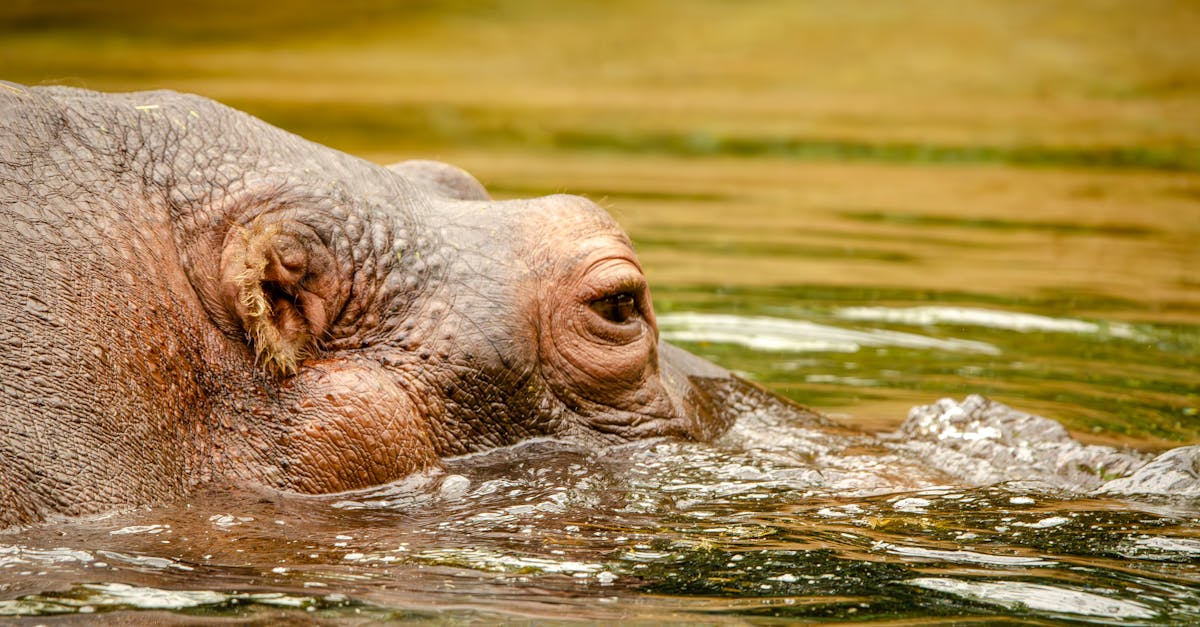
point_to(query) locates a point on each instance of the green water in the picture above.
(1139, 382)
(863, 206)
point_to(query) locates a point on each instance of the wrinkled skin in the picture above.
(190, 296)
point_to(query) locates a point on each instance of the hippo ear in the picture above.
(280, 281)
(441, 178)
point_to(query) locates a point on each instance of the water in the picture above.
(783, 518)
(863, 207)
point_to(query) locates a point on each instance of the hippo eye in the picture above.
(617, 308)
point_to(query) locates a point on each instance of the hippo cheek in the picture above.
(358, 427)
(706, 397)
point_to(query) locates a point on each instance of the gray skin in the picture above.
(191, 297)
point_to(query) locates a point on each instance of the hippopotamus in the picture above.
(192, 297)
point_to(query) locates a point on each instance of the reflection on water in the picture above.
(1097, 375)
(777, 334)
(965, 316)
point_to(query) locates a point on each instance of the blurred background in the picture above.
(862, 205)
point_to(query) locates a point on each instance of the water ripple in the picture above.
(781, 334)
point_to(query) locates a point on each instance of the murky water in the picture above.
(862, 207)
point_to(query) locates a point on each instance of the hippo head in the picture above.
(194, 297)
(394, 315)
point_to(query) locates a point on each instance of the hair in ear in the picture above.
(266, 299)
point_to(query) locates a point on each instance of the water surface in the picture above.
(781, 519)
(862, 206)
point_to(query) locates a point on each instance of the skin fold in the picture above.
(190, 296)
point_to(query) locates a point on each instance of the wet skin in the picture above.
(191, 296)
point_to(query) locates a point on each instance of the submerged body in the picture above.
(192, 296)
